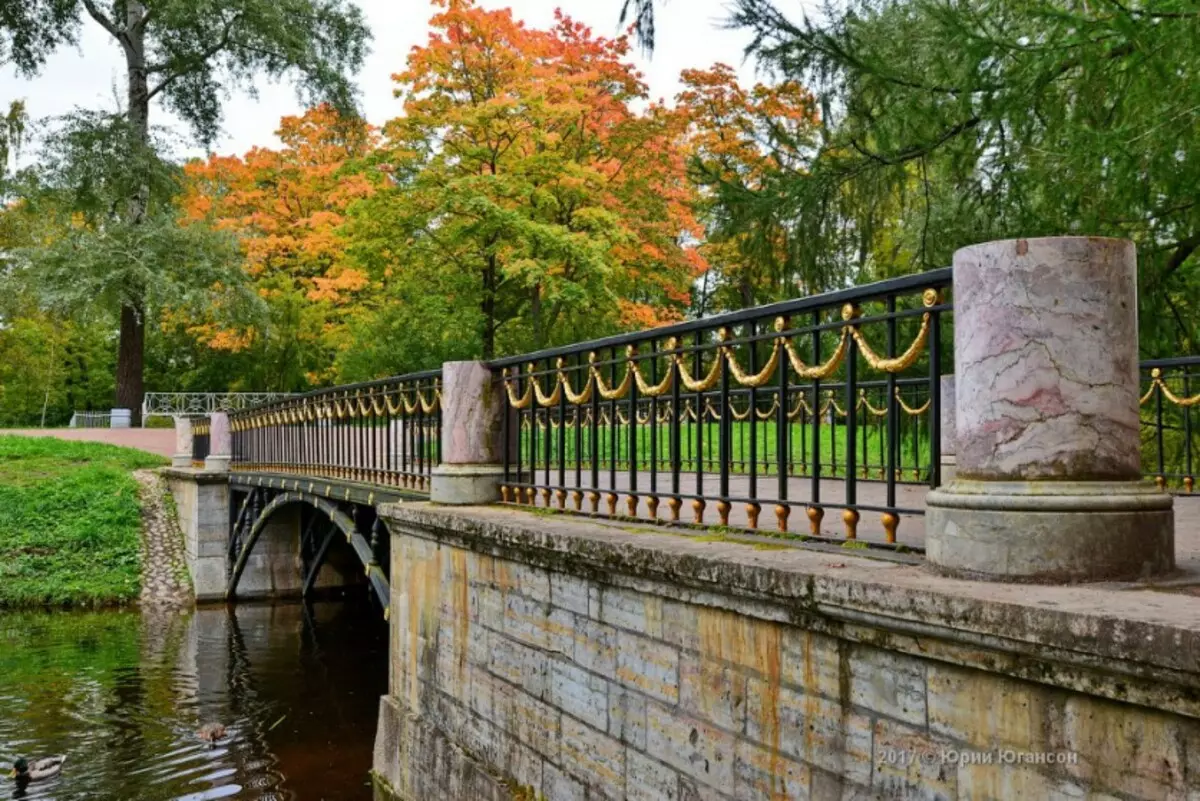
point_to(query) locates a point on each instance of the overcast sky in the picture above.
(91, 76)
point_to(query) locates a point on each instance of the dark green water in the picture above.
(122, 695)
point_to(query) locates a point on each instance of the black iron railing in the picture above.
(201, 440)
(1168, 423)
(826, 402)
(385, 432)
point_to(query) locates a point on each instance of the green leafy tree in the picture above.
(187, 54)
(73, 253)
(968, 121)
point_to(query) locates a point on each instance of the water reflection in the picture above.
(123, 695)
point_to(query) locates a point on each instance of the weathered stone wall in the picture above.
(541, 672)
(202, 500)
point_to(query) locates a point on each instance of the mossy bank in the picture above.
(70, 523)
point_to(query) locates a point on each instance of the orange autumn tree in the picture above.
(529, 201)
(741, 142)
(288, 207)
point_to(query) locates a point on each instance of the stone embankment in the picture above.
(165, 581)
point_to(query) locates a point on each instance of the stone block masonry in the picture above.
(545, 658)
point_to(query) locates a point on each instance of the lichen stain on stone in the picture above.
(423, 583)
(756, 644)
(462, 613)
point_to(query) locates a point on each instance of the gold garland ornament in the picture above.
(1156, 382)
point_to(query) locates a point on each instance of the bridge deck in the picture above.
(911, 531)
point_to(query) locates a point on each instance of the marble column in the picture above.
(949, 462)
(1046, 427)
(472, 407)
(183, 443)
(220, 443)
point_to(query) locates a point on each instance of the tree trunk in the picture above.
(131, 350)
(130, 359)
(488, 307)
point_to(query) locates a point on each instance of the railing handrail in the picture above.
(904, 284)
(422, 375)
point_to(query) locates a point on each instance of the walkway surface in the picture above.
(154, 440)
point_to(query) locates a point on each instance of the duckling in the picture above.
(212, 733)
(48, 767)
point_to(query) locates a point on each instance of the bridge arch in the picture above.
(256, 514)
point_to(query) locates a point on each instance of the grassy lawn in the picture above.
(914, 447)
(69, 522)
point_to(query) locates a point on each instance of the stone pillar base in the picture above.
(466, 484)
(217, 464)
(181, 460)
(1050, 531)
(949, 469)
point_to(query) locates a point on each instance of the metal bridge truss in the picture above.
(329, 510)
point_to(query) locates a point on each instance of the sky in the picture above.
(92, 74)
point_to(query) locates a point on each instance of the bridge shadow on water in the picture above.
(123, 694)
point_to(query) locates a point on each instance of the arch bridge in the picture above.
(306, 475)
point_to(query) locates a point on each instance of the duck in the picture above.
(37, 770)
(212, 733)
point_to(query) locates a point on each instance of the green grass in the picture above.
(70, 522)
(914, 447)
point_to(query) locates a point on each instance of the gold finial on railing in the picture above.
(577, 499)
(752, 512)
(674, 503)
(723, 508)
(698, 511)
(594, 500)
(850, 519)
(815, 515)
(782, 512)
(631, 504)
(890, 522)
(652, 506)
(1188, 483)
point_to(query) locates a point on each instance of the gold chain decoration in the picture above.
(863, 403)
(595, 381)
(1156, 382)
(909, 409)
(929, 298)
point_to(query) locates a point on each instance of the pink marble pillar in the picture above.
(183, 443)
(472, 408)
(1046, 351)
(1046, 433)
(220, 448)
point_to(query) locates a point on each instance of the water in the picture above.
(122, 695)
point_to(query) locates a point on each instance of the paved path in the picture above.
(165, 581)
(870, 494)
(155, 440)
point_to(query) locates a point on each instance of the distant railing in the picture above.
(826, 402)
(1168, 423)
(385, 432)
(91, 420)
(201, 441)
(202, 404)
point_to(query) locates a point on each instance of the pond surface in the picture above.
(123, 694)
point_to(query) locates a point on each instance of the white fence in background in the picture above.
(200, 404)
(91, 420)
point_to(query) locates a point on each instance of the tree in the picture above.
(987, 119)
(524, 194)
(73, 253)
(288, 206)
(742, 144)
(187, 53)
